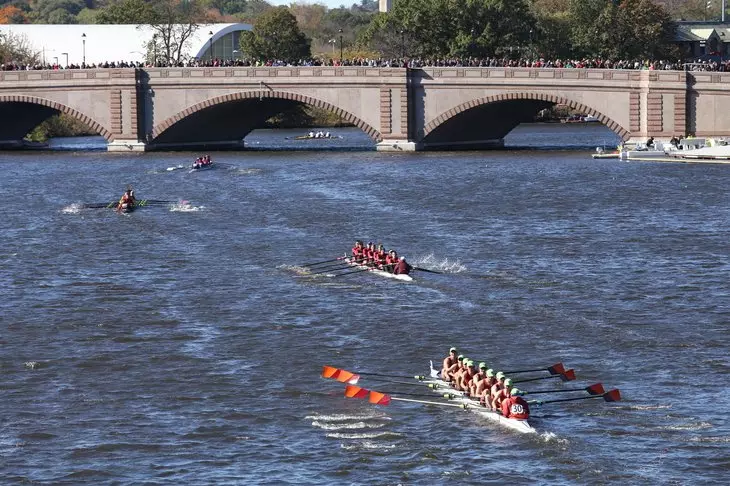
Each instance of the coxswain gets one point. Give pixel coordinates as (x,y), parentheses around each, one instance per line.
(514,406)
(501,394)
(484,387)
(402,267)
(357,252)
(449,361)
(380,256)
(480,375)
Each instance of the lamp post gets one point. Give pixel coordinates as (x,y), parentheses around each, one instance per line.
(65,54)
(210,33)
(340,31)
(154,50)
(83,49)
(402,43)
(55,60)
(333,42)
(531,55)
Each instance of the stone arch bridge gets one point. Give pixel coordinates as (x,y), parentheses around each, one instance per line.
(400,109)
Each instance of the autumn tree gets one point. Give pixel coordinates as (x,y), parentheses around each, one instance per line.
(126,12)
(11,14)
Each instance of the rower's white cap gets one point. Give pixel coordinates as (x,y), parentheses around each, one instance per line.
(402,258)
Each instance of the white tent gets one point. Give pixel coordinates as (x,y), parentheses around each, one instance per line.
(98,43)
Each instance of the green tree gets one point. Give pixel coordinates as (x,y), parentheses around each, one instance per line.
(57,11)
(126,12)
(276,35)
(626,29)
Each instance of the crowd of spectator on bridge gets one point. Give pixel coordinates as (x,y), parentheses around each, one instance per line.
(412,63)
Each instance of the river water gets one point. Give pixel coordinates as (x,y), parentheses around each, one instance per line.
(183,344)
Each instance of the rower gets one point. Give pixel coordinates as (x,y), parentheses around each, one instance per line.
(369,254)
(454,369)
(126,199)
(484,387)
(449,361)
(496,388)
(514,406)
(357,252)
(466,376)
(402,267)
(480,375)
(380,256)
(391,260)
(501,394)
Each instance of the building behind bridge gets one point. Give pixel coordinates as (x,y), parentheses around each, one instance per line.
(73,44)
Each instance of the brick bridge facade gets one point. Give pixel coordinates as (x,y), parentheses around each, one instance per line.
(430,108)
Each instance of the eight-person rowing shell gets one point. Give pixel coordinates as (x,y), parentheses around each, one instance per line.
(202,162)
(493,390)
(378,258)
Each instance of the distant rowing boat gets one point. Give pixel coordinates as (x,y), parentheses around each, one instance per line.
(383,273)
(522,426)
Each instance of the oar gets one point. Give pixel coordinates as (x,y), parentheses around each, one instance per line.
(100,205)
(354,271)
(156,201)
(379,398)
(596,389)
(610,396)
(555,369)
(426,270)
(322,262)
(345,376)
(330,268)
(568,375)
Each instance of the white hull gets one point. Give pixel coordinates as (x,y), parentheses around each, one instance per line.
(522,426)
(382,273)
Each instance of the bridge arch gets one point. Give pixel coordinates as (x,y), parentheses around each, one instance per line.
(529,96)
(47,109)
(262,95)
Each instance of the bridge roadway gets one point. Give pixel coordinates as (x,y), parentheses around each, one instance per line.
(414,109)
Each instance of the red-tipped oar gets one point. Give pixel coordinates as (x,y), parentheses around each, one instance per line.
(596,389)
(378,398)
(610,396)
(343,376)
(555,369)
(567,375)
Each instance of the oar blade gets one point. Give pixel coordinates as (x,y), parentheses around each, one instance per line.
(352,391)
(348,377)
(569,375)
(596,389)
(330,372)
(612,396)
(556,369)
(378,398)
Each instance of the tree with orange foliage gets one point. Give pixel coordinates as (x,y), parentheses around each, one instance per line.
(10,14)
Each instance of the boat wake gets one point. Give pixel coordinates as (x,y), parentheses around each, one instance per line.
(72,209)
(185,207)
(431,262)
(249,171)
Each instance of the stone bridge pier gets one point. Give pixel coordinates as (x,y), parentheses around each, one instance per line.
(400,109)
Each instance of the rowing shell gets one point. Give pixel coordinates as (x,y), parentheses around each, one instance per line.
(522,426)
(400,276)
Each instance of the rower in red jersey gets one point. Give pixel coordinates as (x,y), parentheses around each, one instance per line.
(485,387)
(454,369)
(391,260)
(480,375)
(380,256)
(514,406)
(370,253)
(501,394)
(357,252)
(466,377)
(449,361)
(496,388)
